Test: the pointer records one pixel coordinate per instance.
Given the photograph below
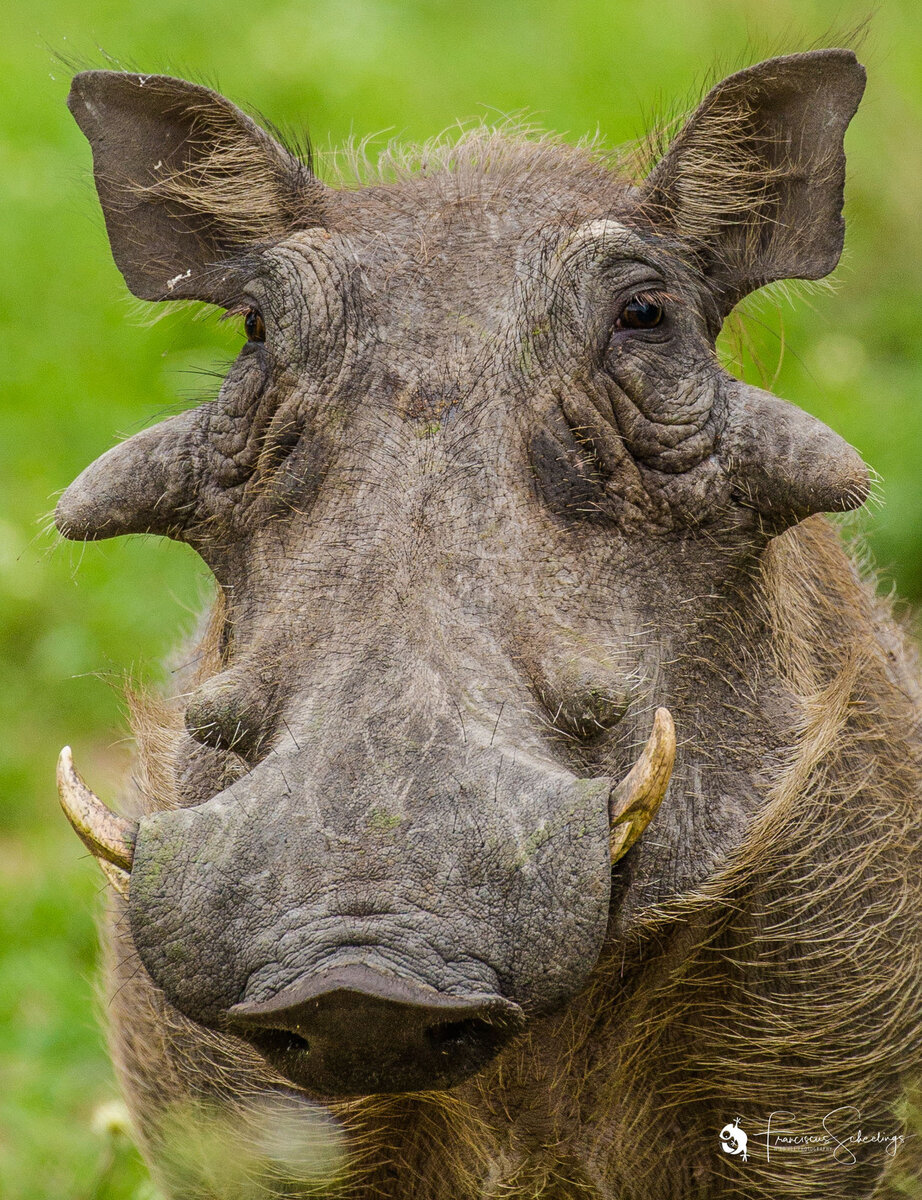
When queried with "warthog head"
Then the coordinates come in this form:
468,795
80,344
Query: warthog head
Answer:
482,505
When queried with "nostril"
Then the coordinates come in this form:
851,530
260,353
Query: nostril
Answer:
355,1031
279,1042
450,1037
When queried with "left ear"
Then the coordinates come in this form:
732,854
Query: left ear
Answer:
753,182
186,181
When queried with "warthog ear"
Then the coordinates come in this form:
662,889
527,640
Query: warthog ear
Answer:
753,182
186,181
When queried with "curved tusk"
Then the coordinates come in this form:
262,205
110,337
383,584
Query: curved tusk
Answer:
119,879
108,837
633,803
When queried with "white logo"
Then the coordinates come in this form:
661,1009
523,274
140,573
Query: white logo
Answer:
733,1140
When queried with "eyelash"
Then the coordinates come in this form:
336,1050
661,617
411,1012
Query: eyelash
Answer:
254,324
652,299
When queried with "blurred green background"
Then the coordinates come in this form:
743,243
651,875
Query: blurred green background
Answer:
82,365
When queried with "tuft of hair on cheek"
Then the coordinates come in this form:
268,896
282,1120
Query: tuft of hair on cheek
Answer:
212,1140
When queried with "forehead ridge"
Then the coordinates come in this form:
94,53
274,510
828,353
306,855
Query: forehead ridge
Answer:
439,229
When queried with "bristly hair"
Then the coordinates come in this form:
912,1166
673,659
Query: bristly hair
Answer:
665,118
471,150
494,146
253,189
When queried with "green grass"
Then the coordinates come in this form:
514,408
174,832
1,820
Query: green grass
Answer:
80,367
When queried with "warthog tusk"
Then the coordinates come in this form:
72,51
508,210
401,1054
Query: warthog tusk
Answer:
633,803
119,879
108,837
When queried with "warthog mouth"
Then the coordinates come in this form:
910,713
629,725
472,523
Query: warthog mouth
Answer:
392,1003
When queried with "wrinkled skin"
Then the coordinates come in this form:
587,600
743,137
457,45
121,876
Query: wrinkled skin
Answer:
478,498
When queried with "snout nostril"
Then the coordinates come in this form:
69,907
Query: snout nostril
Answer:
450,1037
280,1042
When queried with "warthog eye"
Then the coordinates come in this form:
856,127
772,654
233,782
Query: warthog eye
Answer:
641,312
254,325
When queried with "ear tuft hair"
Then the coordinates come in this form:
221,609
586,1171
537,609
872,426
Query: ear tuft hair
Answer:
186,181
753,182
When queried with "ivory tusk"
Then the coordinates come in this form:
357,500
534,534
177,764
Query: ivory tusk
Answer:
633,803
108,837
119,878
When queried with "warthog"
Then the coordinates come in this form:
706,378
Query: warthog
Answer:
539,814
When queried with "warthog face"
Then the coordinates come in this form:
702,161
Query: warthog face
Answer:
473,487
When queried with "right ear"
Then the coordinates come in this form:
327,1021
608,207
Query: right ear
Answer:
186,181
753,181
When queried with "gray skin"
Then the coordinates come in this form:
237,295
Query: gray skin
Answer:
478,497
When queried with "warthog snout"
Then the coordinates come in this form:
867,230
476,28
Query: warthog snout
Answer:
358,1030
366,937
399,934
